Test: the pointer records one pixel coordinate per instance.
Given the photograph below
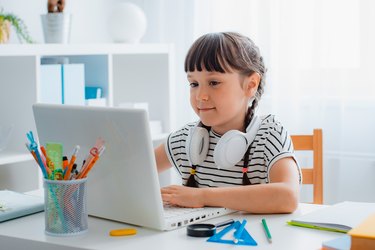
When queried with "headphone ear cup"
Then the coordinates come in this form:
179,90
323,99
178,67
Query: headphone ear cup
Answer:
197,145
230,149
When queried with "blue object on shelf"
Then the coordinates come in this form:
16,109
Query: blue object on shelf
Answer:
245,239
93,92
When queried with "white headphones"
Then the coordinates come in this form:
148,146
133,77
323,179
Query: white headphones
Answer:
230,148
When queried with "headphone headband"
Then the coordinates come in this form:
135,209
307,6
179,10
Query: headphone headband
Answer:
230,148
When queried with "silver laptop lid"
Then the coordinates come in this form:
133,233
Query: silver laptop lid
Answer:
123,185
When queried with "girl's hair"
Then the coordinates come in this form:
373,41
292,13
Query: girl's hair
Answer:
227,52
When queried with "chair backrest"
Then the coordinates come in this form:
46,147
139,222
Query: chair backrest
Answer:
312,175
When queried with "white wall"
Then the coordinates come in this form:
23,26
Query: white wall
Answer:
90,18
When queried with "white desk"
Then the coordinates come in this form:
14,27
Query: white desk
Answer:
28,233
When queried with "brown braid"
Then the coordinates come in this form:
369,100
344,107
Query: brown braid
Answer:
249,116
191,182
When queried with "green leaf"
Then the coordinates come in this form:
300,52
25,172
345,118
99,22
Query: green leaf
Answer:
19,26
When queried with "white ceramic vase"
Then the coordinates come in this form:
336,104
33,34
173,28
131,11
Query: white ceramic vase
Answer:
127,23
56,27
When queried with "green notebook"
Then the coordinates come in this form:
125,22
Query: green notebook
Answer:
340,217
14,205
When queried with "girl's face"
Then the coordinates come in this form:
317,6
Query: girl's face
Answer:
221,99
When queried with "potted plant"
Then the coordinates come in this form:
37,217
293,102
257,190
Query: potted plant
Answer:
56,23
8,20
54,6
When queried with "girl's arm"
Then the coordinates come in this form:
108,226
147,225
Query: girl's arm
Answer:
279,196
161,157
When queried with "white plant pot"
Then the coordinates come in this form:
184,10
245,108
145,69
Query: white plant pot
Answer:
56,27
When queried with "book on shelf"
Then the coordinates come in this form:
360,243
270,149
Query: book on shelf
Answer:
340,217
14,205
62,84
363,235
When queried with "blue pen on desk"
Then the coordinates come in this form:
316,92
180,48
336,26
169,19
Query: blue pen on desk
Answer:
238,233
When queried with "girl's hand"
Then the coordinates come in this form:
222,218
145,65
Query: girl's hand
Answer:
182,196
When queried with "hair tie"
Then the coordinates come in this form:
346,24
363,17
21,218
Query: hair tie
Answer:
245,178
191,182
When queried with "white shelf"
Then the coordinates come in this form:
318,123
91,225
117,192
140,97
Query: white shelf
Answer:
127,73
10,157
81,49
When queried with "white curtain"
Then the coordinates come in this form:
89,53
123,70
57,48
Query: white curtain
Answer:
319,56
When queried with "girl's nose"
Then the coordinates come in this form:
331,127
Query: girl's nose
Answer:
202,95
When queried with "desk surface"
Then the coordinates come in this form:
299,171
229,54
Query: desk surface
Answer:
28,233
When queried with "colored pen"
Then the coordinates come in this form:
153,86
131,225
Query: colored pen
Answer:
34,149
71,163
49,164
35,158
266,231
33,153
238,233
92,163
94,151
74,172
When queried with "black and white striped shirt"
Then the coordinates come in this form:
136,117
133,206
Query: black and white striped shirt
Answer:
271,144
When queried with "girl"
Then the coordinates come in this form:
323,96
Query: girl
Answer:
236,159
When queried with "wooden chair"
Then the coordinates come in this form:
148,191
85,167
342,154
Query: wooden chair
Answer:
313,175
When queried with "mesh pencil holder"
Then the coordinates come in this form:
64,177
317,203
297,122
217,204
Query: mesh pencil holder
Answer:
65,207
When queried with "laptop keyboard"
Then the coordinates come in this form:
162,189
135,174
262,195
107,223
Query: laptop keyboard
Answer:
173,211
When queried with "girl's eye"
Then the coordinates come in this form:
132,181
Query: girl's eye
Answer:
193,84
214,83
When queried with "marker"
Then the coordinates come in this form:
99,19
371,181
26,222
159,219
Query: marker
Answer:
73,168
238,233
267,231
74,173
71,163
65,162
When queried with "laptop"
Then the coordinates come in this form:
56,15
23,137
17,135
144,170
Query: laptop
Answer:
123,185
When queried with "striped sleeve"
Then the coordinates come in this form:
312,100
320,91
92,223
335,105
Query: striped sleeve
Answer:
278,145
175,147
